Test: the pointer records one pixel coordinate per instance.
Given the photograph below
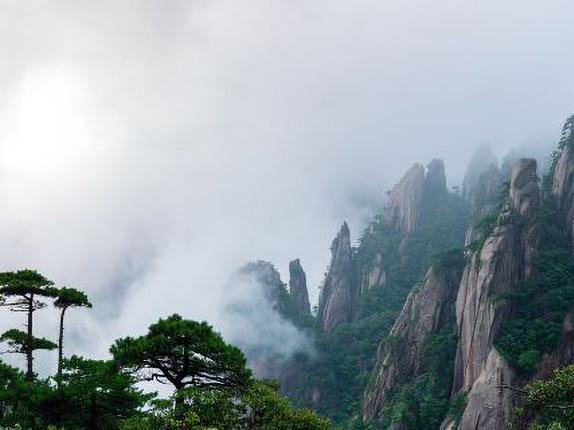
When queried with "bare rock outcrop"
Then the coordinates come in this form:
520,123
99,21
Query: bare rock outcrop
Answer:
298,287
338,294
417,188
489,404
506,257
374,274
405,199
524,187
483,197
563,190
425,312
435,179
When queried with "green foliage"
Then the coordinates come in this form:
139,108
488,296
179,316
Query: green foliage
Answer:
95,394
19,342
214,389
270,411
447,261
95,391
91,393
567,136
485,226
540,302
482,230
346,357
71,297
25,282
183,353
19,291
457,406
423,403
259,407
11,382
286,306
549,404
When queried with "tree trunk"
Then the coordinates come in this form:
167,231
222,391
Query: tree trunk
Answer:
179,401
93,412
61,345
29,346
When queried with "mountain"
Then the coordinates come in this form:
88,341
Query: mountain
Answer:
450,303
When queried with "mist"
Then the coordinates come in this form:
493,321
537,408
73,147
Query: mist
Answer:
252,320
148,149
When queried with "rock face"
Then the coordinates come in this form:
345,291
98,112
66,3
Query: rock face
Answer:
417,188
563,189
298,287
524,187
489,406
483,197
338,293
482,161
405,199
435,179
263,271
267,276
425,312
506,257
374,274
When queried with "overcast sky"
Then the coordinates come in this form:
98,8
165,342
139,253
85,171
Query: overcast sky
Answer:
148,148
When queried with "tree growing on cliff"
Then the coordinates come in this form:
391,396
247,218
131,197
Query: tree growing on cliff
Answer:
548,402
22,292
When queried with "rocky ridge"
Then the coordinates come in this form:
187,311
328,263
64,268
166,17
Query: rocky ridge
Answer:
338,294
401,357
298,287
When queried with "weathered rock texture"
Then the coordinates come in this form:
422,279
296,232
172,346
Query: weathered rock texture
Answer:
263,271
418,188
405,199
425,312
338,294
506,257
298,287
373,275
563,189
489,405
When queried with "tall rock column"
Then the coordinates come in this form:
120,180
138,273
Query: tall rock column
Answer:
338,294
403,208
563,189
298,286
506,257
425,312
435,179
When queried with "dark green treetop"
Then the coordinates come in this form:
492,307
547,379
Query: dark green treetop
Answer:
22,286
71,297
18,340
184,353
97,394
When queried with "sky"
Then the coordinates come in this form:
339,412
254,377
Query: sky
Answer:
149,148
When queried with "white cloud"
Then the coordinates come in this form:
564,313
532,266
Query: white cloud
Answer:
149,148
